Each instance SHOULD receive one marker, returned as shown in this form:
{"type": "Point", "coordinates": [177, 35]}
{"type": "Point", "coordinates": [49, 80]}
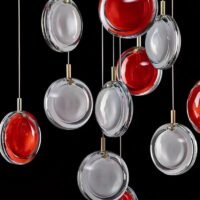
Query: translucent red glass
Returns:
{"type": "Point", "coordinates": [137, 72]}
{"type": "Point", "coordinates": [127, 196]}
{"type": "Point", "coordinates": [127, 18]}
{"type": "Point", "coordinates": [193, 107]}
{"type": "Point", "coordinates": [20, 137]}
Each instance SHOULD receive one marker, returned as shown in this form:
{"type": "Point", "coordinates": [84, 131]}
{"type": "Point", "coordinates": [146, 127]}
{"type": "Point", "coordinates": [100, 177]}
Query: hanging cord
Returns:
{"type": "Point", "coordinates": [120, 65]}
{"type": "Point", "coordinates": [173, 71]}
{"type": "Point", "coordinates": [113, 68]}
{"type": "Point", "coordinates": [68, 57]}
{"type": "Point", "coordinates": [102, 64]}
{"type": "Point", "coordinates": [102, 55]}
{"type": "Point", "coordinates": [19, 100]}
{"type": "Point", "coordinates": [113, 51]}
{"type": "Point", "coordinates": [173, 112]}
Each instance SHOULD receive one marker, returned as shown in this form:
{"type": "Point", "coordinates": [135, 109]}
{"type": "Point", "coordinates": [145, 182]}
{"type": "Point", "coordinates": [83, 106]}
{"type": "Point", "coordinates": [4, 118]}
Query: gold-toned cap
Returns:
{"type": "Point", "coordinates": [66, 1]}
{"type": "Point", "coordinates": [163, 7]}
{"type": "Point", "coordinates": [113, 74]}
{"type": "Point", "coordinates": [103, 144]}
{"type": "Point", "coordinates": [139, 41]}
{"type": "Point", "coordinates": [68, 71]}
{"type": "Point", "coordinates": [173, 117]}
{"type": "Point", "coordinates": [19, 104]}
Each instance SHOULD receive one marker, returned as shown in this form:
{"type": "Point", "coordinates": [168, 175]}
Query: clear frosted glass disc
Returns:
{"type": "Point", "coordinates": [68, 105]}
{"type": "Point", "coordinates": [173, 150]}
{"type": "Point", "coordinates": [62, 25]}
{"type": "Point", "coordinates": [163, 42]}
{"type": "Point", "coordinates": [114, 109]}
{"type": "Point", "coordinates": [101, 177]}
{"type": "Point", "coordinates": [129, 195]}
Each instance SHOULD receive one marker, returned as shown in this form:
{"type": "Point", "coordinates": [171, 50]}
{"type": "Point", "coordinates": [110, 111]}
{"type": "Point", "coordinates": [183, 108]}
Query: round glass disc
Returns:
{"type": "Point", "coordinates": [127, 19]}
{"type": "Point", "coordinates": [114, 109]}
{"type": "Point", "coordinates": [137, 72]}
{"type": "Point", "coordinates": [20, 137]}
{"type": "Point", "coordinates": [103, 177]}
{"type": "Point", "coordinates": [62, 25]}
{"type": "Point", "coordinates": [129, 195]}
{"type": "Point", "coordinates": [163, 42]}
{"type": "Point", "coordinates": [68, 104]}
{"type": "Point", "coordinates": [173, 149]}
{"type": "Point", "coordinates": [193, 107]}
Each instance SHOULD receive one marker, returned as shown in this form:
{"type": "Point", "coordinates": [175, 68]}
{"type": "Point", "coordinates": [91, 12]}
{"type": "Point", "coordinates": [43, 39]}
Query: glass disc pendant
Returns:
{"type": "Point", "coordinates": [127, 19]}
{"type": "Point", "coordinates": [61, 25]}
{"type": "Point", "coordinates": [129, 195]}
{"type": "Point", "coordinates": [68, 104]}
{"type": "Point", "coordinates": [114, 109]}
{"type": "Point", "coordinates": [103, 176]}
{"type": "Point", "coordinates": [173, 149]}
{"type": "Point", "coordinates": [193, 107]}
{"type": "Point", "coordinates": [20, 137]}
{"type": "Point", "coordinates": [137, 72]}
{"type": "Point", "coordinates": [163, 42]}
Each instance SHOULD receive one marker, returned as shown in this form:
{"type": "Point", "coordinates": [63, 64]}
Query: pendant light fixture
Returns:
{"type": "Point", "coordinates": [114, 105]}
{"type": "Point", "coordinates": [163, 40]}
{"type": "Point", "coordinates": [173, 146]}
{"type": "Point", "coordinates": [68, 102]}
{"type": "Point", "coordinates": [20, 135]}
{"type": "Point", "coordinates": [127, 19]}
{"type": "Point", "coordinates": [193, 107]}
{"type": "Point", "coordinates": [62, 25]}
{"type": "Point", "coordinates": [129, 193]}
{"type": "Point", "coordinates": [103, 174]}
{"type": "Point", "coordinates": [137, 71]}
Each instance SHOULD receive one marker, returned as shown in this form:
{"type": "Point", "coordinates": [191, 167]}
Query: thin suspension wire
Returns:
{"type": "Point", "coordinates": [120, 63]}
{"type": "Point", "coordinates": [173, 70]}
{"type": "Point", "coordinates": [102, 60]}
{"type": "Point", "coordinates": [102, 55]}
{"type": "Point", "coordinates": [113, 50]}
{"type": "Point", "coordinates": [68, 57]}
{"type": "Point", "coordinates": [173, 89]}
{"type": "Point", "coordinates": [120, 51]}
{"type": "Point", "coordinates": [19, 50]}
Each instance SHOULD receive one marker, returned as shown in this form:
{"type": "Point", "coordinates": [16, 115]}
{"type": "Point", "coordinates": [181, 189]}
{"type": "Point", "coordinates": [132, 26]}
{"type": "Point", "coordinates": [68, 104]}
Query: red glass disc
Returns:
{"type": "Point", "coordinates": [193, 107]}
{"type": "Point", "coordinates": [138, 73]}
{"type": "Point", "coordinates": [127, 18]}
{"type": "Point", "coordinates": [127, 196]}
{"type": "Point", "coordinates": [21, 137]}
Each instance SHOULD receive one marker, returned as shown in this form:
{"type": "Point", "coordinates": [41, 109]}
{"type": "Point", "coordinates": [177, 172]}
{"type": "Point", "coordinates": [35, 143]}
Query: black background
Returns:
{"type": "Point", "coordinates": [53, 173]}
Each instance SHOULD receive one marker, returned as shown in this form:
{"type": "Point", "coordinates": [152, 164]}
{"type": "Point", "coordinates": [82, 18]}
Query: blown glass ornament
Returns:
{"type": "Point", "coordinates": [137, 72]}
{"type": "Point", "coordinates": [114, 109]}
{"type": "Point", "coordinates": [62, 25]}
{"type": "Point", "coordinates": [20, 137]}
{"type": "Point", "coordinates": [127, 19]}
{"type": "Point", "coordinates": [193, 107]}
{"type": "Point", "coordinates": [129, 195]}
{"type": "Point", "coordinates": [103, 176]}
{"type": "Point", "coordinates": [173, 149]}
{"type": "Point", "coordinates": [163, 42]}
{"type": "Point", "coordinates": [68, 104]}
